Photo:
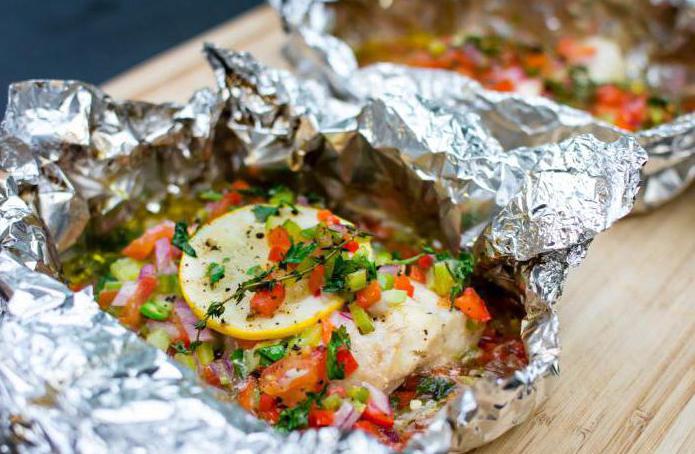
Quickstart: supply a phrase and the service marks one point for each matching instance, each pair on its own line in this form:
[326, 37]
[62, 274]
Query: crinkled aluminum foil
[320, 30]
[73, 380]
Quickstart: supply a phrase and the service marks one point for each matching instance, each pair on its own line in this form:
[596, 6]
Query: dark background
[95, 40]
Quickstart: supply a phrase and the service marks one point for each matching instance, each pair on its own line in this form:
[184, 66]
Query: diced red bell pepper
[320, 418]
[378, 417]
[130, 316]
[266, 302]
[472, 305]
[141, 247]
[344, 356]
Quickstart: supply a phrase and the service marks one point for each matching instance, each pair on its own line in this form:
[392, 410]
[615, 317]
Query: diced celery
[159, 338]
[362, 320]
[382, 258]
[168, 284]
[272, 222]
[357, 280]
[328, 266]
[393, 297]
[282, 195]
[113, 285]
[205, 354]
[309, 233]
[443, 280]
[310, 337]
[332, 402]
[385, 280]
[293, 230]
[186, 360]
[125, 269]
[358, 393]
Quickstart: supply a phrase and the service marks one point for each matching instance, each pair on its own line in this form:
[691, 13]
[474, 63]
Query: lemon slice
[237, 241]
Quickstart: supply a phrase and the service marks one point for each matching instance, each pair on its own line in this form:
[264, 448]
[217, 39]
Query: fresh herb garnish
[298, 416]
[255, 270]
[215, 272]
[339, 338]
[461, 270]
[238, 362]
[298, 252]
[180, 347]
[263, 212]
[180, 239]
[271, 353]
[435, 387]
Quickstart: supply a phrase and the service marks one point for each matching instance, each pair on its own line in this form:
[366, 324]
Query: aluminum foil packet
[324, 33]
[73, 380]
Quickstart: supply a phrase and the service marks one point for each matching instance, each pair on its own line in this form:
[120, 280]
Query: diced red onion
[146, 270]
[170, 328]
[340, 228]
[302, 201]
[188, 321]
[378, 400]
[220, 370]
[390, 269]
[346, 416]
[341, 319]
[126, 291]
[163, 252]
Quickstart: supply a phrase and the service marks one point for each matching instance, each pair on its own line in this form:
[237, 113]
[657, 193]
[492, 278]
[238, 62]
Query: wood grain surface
[627, 317]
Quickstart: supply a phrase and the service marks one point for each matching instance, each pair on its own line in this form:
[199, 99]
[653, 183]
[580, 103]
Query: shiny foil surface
[323, 33]
[73, 380]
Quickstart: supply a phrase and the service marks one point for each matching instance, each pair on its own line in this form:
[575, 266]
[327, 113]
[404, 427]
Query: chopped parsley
[180, 347]
[263, 212]
[339, 339]
[461, 270]
[435, 387]
[271, 353]
[238, 362]
[215, 272]
[298, 252]
[180, 239]
[298, 416]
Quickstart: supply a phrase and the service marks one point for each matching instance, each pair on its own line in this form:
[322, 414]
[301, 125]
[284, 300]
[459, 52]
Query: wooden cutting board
[627, 315]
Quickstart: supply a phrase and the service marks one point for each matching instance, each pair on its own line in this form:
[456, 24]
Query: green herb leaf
[436, 387]
[215, 309]
[271, 353]
[255, 270]
[294, 418]
[180, 239]
[298, 252]
[339, 338]
[215, 272]
[263, 212]
[180, 347]
[240, 368]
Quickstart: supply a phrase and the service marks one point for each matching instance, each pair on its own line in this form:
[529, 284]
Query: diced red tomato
[291, 378]
[319, 417]
[425, 262]
[210, 376]
[266, 402]
[503, 85]
[472, 305]
[572, 50]
[130, 316]
[609, 95]
[276, 254]
[140, 248]
[266, 302]
[326, 331]
[248, 396]
[368, 427]
[402, 282]
[371, 413]
[404, 398]
[316, 279]
[222, 206]
[327, 217]
[351, 246]
[240, 184]
[369, 295]
[279, 242]
[106, 298]
[344, 356]
[417, 274]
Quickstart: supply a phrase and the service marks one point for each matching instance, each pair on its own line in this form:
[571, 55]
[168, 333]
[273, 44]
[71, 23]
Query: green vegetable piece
[392, 297]
[383, 257]
[212, 196]
[309, 337]
[332, 402]
[309, 233]
[443, 280]
[205, 353]
[180, 239]
[156, 310]
[168, 284]
[271, 353]
[436, 387]
[294, 230]
[159, 338]
[186, 360]
[339, 338]
[359, 393]
[294, 418]
[125, 269]
[356, 280]
[362, 320]
[281, 195]
[263, 212]
[238, 360]
[385, 281]
[298, 252]
[113, 285]
[214, 272]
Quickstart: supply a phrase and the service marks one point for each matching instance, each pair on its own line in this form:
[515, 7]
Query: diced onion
[378, 399]
[346, 416]
[125, 293]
